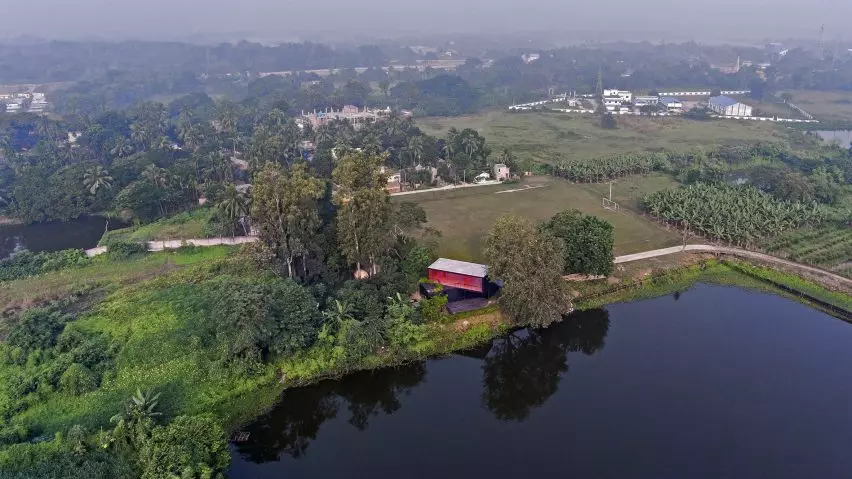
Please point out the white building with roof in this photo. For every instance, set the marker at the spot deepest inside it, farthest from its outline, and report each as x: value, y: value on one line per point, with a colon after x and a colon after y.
x: 727, y: 106
x: 623, y: 95
x: 672, y: 104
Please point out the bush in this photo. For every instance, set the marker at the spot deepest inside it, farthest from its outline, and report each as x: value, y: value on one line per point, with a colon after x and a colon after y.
x: 189, y: 447
x: 37, y: 328
x: 78, y: 379
x: 13, y: 434
x: 119, y: 250
x: 27, y: 263
x: 432, y: 309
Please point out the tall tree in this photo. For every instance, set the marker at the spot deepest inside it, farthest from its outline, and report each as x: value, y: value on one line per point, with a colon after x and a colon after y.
x: 286, y: 213
x: 530, y: 264
x: 364, y: 213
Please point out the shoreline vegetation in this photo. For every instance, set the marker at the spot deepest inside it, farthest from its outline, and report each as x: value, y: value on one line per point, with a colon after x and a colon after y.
x: 152, y: 302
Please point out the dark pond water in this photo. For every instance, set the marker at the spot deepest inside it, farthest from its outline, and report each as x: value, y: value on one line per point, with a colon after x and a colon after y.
x: 84, y: 232
x: 716, y: 382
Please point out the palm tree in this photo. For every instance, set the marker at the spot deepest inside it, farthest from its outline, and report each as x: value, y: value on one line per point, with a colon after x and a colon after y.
x: 155, y: 175
x: 338, y: 313
x: 121, y: 147
x: 96, y: 178
x: 471, y: 146
x: 415, y: 148
x: 234, y: 205
x: 141, y: 405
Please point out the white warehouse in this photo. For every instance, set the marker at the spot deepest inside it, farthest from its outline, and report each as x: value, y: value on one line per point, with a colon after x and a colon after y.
x: 727, y: 106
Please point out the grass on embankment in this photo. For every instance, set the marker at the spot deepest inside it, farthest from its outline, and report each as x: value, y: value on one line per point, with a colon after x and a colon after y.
x: 187, y: 225
x: 735, y: 273
x: 103, y: 275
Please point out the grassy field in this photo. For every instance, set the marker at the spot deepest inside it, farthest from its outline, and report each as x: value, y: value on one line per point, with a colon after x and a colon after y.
x: 464, y: 216
x: 549, y: 137
x: 825, y: 105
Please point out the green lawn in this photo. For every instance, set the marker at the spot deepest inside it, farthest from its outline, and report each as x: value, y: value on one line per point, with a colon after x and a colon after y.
x: 549, y: 137
x: 464, y: 216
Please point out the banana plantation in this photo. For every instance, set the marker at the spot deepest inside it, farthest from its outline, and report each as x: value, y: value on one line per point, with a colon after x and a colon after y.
x: 608, y: 168
x: 738, y: 215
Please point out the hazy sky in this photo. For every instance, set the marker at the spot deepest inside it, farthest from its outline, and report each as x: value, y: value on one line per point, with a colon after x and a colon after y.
x: 291, y: 19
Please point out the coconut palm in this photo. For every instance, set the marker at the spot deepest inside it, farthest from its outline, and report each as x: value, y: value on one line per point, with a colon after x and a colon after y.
x: 415, y: 148
x: 96, y: 178
x: 234, y: 205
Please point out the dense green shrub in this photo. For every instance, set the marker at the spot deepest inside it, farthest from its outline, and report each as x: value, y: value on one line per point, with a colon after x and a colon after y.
x: 37, y: 328
x: 587, y: 240
x: 256, y: 319
x: 189, y: 447
x: 27, y: 263
x: 119, y: 250
x: 78, y: 379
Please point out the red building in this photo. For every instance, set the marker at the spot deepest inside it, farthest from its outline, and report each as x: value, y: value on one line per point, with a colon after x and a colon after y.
x: 459, y: 274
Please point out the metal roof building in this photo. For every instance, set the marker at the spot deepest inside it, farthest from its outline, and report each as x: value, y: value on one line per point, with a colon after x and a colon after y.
x: 459, y: 274
x: 727, y: 106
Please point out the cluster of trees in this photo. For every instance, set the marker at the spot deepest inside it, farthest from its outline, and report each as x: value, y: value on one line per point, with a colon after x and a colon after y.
x: 740, y: 215
x: 531, y: 259
x: 155, y: 160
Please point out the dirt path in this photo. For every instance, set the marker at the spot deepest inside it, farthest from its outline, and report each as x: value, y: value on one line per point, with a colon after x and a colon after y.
x: 846, y: 283
x: 174, y: 244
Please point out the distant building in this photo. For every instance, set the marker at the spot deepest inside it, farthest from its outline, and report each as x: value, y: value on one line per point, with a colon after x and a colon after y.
x: 646, y: 100
x: 613, y: 103
x: 623, y: 95
x: 672, y: 104
x: 501, y: 172
x: 727, y: 106
x: 530, y: 57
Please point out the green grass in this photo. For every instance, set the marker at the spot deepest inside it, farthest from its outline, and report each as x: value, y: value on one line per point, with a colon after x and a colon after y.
x: 464, y: 216
x: 825, y: 105
x: 102, y: 276
x: 549, y: 137
x: 186, y: 225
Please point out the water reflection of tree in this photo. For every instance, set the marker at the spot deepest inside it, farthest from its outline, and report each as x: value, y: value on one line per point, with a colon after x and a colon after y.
x: 378, y: 392
x: 296, y: 420
x: 291, y: 426
x: 523, y: 370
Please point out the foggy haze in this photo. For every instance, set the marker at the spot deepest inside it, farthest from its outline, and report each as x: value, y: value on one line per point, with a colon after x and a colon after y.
x: 288, y: 20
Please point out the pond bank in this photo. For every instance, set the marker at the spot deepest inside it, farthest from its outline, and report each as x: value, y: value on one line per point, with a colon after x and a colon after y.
x: 468, y: 331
